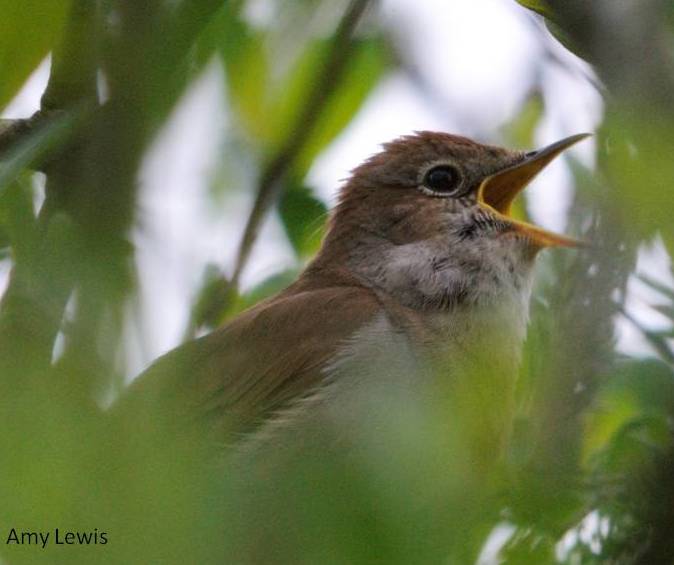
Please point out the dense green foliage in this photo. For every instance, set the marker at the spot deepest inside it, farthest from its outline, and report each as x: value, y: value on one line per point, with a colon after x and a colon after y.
x: 589, y: 475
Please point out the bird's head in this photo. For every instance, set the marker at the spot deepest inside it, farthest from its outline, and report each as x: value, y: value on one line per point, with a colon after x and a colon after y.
x: 431, y: 212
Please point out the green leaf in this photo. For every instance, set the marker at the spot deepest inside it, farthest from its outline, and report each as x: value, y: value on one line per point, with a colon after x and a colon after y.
x: 17, y: 219
x: 650, y: 381
x: 292, y: 93
x: 605, y: 422
x: 640, y: 145
x: 270, y: 107
x: 303, y: 217
x: 526, y: 547
x: 630, y: 406
x: 33, y: 147
x: 29, y: 30
x: 270, y: 286
x: 247, y: 72
x: 219, y: 301
x: 368, y: 64
x: 542, y: 8
x: 539, y: 6
x: 215, y: 299
x: 520, y: 131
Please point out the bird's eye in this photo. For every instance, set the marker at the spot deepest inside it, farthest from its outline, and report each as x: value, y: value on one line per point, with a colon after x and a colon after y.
x: 443, y: 179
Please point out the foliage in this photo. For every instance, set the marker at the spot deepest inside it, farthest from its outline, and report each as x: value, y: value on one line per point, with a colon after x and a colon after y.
x: 28, y: 31
x: 588, y: 476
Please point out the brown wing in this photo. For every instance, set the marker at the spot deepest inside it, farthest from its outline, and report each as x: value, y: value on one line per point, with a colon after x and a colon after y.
x: 265, y: 359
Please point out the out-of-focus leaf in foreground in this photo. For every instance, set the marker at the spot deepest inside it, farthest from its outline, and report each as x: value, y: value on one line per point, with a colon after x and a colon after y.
x: 538, y: 6
x: 639, y: 160
x: 28, y: 31
x: 520, y: 131
x: 542, y: 8
x: 269, y: 106
x: 368, y: 65
x: 303, y: 217
x: 29, y: 150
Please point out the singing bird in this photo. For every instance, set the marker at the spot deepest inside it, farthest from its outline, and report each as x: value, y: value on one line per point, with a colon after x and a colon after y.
x: 422, y: 256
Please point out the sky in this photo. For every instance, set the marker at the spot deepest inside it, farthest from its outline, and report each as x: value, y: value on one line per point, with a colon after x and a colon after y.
x: 480, y: 57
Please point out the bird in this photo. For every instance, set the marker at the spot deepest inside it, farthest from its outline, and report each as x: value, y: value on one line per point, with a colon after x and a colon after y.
x: 422, y: 265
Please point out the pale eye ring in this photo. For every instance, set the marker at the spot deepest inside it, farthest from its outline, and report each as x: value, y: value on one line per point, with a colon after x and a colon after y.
x: 443, y: 180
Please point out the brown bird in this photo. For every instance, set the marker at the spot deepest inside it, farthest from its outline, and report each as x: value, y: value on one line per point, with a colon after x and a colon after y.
x: 422, y: 265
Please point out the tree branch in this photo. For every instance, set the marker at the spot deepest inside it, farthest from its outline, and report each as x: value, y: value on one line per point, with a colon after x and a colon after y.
x: 14, y: 131
x: 39, y: 289
x: 270, y: 184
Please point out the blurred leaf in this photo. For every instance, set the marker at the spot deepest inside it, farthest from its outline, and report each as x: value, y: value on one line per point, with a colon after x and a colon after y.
x: 368, y: 64
x: 650, y: 381
x: 214, y: 300
x: 29, y: 29
x: 630, y: 413
x: 520, y: 131
x: 17, y: 219
x: 606, y: 422
x: 265, y: 289
x: 639, y: 158
x: 247, y: 72
x: 270, y: 106
x: 218, y: 301
x: 526, y: 547
x: 368, y: 61
x: 636, y: 446
x: 546, y: 497
x: 539, y: 6
x: 33, y: 147
x: 542, y: 8
x: 303, y: 217
x: 4, y: 244
x: 4, y: 231
x: 292, y: 93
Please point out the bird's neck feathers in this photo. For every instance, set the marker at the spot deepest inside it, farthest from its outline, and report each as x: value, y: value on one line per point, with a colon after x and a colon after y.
x: 417, y: 262
x: 453, y: 296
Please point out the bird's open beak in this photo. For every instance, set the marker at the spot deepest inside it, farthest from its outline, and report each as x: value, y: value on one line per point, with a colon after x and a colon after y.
x: 498, y: 191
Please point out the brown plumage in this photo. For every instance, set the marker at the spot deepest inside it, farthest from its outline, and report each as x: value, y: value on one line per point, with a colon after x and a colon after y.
x: 420, y: 248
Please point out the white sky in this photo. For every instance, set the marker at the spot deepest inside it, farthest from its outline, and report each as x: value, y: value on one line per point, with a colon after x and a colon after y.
x: 480, y: 56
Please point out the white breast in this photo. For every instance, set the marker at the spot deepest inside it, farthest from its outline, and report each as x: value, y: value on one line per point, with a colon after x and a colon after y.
x: 488, y: 289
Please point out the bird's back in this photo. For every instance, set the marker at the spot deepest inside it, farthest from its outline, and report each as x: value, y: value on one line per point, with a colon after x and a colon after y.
x: 258, y: 365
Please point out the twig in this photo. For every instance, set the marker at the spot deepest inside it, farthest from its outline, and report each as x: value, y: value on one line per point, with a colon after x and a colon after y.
x: 13, y: 131
x: 72, y: 78
x: 270, y: 184
x: 658, y: 342
x: 38, y: 291
x: 271, y: 178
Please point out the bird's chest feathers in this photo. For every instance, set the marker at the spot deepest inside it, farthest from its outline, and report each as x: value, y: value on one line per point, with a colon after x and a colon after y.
x: 470, y: 305
x: 484, y: 337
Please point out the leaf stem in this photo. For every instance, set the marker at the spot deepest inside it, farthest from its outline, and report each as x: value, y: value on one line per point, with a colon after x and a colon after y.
x: 270, y: 183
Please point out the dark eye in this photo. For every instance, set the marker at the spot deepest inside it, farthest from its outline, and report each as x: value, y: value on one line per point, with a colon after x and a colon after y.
x: 443, y: 179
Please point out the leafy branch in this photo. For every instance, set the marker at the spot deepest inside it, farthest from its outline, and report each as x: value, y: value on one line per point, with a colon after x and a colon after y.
x: 274, y: 173
x: 32, y: 293
x: 12, y: 132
